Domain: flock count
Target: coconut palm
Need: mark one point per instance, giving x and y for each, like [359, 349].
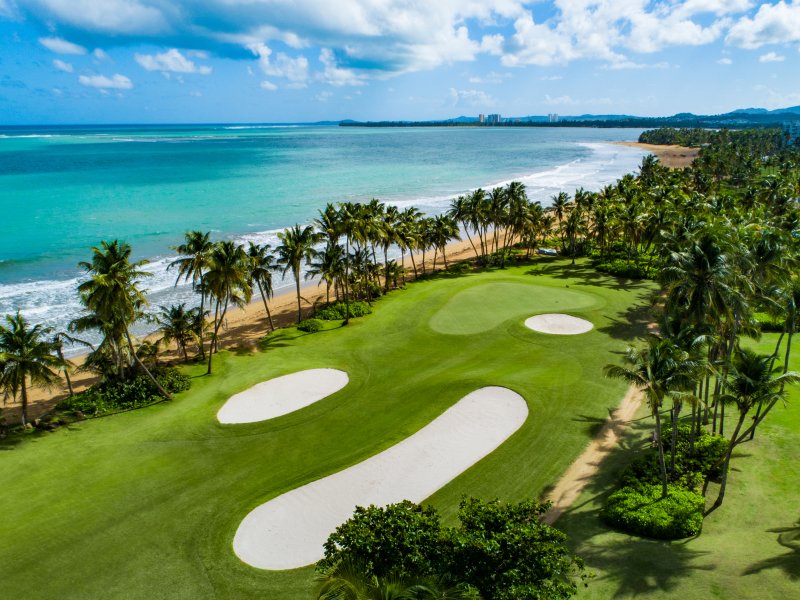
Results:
[660, 370]
[58, 347]
[227, 281]
[114, 301]
[407, 235]
[459, 211]
[297, 246]
[262, 263]
[443, 230]
[179, 325]
[329, 267]
[27, 357]
[194, 260]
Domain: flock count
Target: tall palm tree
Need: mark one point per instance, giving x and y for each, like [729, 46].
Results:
[26, 356]
[297, 246]
[459, 210]
[329, 267]
[194, 261]
[113, 299]
[660, 370]
[407, 232]
[443, 230]
[228, 282]
[262, 263]
[58, 347]
[751, 382]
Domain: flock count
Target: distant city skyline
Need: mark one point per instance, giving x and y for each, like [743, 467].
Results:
[171, 61]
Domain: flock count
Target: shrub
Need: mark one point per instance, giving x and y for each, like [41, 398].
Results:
[111, 396]
[641, 510]
[619, 267]
[767, 322]
[336, 311]
[310, 325]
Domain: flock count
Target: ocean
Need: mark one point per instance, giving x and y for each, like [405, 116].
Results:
[64, 189]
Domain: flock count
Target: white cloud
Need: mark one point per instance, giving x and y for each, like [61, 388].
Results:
[725, 61]
[111, 17]
[268, 85]
[570, 101]
[6, 9]
[771, 98]
[117, 82]
[294, 69]
[772, 24]
[492, 44]
[63, 66]
[323, 96]
[492, 78]
[196, 94]
[335, 75]
[551, 78]
[100, 54]
[61, 46]
[771, 57]
[471, 98]
[171, 61]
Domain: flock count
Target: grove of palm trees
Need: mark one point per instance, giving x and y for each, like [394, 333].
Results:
[689, 277]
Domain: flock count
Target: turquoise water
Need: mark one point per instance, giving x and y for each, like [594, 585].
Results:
[63, 190]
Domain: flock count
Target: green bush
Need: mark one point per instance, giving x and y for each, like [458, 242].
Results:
[641, 510]
[620, 267]
[310, 325]
[112, 396]
[337, 310]
[766, 322]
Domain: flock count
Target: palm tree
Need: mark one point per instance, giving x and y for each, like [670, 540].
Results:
[329, 267]
[660, 370]
[560, 207]
[459, 211]
[178, 325]
[195, 253]
[407, 232]
[262, 263]
[443, 230]
[297, 245]
[751, 382]
[227, 281]
[114, 301]
[26, 355]
[58, 346]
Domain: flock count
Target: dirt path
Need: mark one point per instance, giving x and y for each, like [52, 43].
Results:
[586, 465]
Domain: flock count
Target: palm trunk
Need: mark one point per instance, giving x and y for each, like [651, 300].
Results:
[147, 372]
[213, 337]
[661, 461]
[413, 263]
[66, 370]
[24, 402]
[297, 284]
[386, 263]
[724, 480]
[202, 316]
[403, 264]
[346, 280]
[444, 256]
[464, 225]
[266, 307]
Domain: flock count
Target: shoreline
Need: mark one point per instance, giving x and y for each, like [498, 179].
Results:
[671, 156]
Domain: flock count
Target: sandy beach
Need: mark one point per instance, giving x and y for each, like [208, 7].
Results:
[674, 157]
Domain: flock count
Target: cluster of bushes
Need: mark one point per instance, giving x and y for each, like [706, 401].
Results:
[767, 322]
[113, 396]
[637, 506]
[338, 310]
[498, 550]
[310, 325]
[621, 267]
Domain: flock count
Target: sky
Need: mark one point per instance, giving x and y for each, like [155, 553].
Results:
[268, 61]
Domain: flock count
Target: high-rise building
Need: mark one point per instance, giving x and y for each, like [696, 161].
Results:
[494, 119]
[481, 118]
[552, 117]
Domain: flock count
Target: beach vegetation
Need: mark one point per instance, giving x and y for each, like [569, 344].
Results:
[310, 325]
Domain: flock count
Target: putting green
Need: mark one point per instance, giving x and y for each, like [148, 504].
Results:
[484, 307]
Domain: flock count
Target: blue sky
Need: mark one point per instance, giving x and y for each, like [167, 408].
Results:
[174, 61]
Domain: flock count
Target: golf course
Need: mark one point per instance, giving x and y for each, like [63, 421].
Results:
[146, 504]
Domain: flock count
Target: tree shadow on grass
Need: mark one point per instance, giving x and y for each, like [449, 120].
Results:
[630, 324]
[788, 562]
[593, 424]
[587, 275]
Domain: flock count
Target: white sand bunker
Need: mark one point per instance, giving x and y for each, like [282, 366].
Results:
[288, 531]
[282, 395]
[558, 324]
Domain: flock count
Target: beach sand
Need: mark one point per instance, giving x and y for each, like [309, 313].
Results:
[674, 157]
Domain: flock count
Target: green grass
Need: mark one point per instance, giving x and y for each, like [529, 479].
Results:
[145, 504]
[749, 547]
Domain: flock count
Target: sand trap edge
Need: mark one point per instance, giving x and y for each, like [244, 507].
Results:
[288, 531]
[558, 324]
[281, 395]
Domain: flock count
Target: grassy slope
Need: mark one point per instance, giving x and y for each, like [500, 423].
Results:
[739, 553]
[145, 504]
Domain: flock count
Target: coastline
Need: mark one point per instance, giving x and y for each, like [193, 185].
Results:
[242, 329]
[671, 156]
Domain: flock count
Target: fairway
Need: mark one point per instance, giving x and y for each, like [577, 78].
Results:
[146, 504]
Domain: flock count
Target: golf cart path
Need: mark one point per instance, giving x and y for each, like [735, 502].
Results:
[580, 472]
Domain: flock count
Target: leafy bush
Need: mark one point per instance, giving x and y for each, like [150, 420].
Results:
[501, 550]
[310, 325]
[620, 267]
[641, 510]
[111, 396]
[767, 322]
[337, 311]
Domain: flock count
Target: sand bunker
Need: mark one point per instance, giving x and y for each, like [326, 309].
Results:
[282, 395]
[558, 324]
[288, 531]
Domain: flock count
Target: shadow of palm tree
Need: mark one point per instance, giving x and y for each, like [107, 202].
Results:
[630, 324]
[788, 562]
[557, 269]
